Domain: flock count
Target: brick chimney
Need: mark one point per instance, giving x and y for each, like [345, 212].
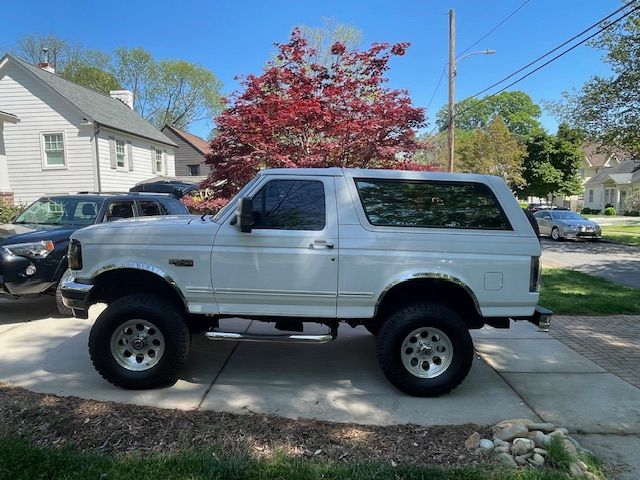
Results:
[125, 96]
[44, 64]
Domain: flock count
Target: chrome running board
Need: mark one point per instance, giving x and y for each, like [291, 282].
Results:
[282, 338]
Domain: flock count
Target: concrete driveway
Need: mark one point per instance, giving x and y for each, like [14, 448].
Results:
[618, 263]
[517, 373]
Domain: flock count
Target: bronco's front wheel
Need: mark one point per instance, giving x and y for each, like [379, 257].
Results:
[139, 341]
[425, 349]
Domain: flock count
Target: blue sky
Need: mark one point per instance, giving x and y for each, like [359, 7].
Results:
[236, 37]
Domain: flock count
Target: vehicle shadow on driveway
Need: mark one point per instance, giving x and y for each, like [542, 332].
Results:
[27, 309]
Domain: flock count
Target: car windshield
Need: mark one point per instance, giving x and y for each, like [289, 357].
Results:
[60, 211]
[567, 216]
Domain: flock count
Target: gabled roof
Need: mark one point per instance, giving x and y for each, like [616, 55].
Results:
[195, 141]
[600, 155]
[626, 172]
[102, 109]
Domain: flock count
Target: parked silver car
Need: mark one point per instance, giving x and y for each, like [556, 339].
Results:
[561, 224]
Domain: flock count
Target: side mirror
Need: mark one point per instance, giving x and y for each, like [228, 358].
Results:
[244, 214]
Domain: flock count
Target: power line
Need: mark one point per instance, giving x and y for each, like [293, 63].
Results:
[494, 28]
[435, 90]
[609, 25]
[553, 50]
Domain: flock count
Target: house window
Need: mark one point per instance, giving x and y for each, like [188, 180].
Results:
[194, 170]
[53, 149]
[159, 162]
[120, 153]
[590, 196]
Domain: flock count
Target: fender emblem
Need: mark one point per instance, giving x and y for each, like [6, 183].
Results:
[181, 262]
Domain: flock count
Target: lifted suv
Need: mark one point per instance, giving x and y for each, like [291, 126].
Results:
[418, 258]
[33, 248]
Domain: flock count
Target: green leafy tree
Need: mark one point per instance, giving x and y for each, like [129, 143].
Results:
[492, 150]
[517, 110]
[321, 39]
[552, 163]
[607, 109]
[90, 76]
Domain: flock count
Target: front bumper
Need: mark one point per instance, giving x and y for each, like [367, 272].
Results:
[586, 234]
[76, 296]
[16, 280]
[541, 318]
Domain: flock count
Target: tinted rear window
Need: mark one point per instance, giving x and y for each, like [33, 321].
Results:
[431, 204]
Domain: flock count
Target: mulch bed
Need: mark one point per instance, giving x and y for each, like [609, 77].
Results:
[112, 428]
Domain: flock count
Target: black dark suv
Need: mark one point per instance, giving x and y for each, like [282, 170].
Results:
[33, 248]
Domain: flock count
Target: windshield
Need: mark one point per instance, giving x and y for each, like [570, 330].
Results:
[60, 211]
[221, 213]
[567, 216]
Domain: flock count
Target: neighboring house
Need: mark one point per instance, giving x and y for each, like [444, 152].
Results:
[190, 156]
[612, 185]
[59, 137]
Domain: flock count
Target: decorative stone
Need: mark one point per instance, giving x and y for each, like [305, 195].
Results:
[569, 447]
[540, 451]
[537, 436]
[521, 446]
[500, 443]
[559, 432]
[505, 423]
[522, 459]
[538, 460]
[575, 471]
[544, 427]
[583, 465]
[486, 444]
[510, 431]
[591, 476]
[508, 460]
[473, 441]
[575, 442]
[502, 449]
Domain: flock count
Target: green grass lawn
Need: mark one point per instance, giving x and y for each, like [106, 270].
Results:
[569, 292]
[20, 460]
[629, 234]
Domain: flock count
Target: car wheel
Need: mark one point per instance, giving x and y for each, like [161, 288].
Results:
[424, 349]
[139, 341]
[62, 308]
[555, 234]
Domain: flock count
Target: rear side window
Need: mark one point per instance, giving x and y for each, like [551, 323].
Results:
[290, 205]
[149, 208]
[431, 204]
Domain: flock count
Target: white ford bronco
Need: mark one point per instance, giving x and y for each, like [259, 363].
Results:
[417, 258]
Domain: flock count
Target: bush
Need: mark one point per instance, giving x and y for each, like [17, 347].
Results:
[633, 202]
[631, 213]
[8, 211]
[610, 211]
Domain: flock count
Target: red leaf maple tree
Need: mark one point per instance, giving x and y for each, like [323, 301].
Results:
[303, 114]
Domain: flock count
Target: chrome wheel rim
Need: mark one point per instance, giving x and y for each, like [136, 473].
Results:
[137, 345]
[427, 352]
[555, 234]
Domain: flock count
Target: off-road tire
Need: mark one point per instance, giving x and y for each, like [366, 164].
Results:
[396, 329]
[62, 308]
[165, 316]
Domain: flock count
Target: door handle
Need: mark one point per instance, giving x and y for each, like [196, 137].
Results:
[320, 244]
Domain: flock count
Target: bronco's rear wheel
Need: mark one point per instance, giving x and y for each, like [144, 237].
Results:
[139, 341]
[425, 349]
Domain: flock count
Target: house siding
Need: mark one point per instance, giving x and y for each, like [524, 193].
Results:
[122, 179]
[186, 155]
[41, 109]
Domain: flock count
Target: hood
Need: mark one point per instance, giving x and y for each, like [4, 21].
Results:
[580, 223]
[24, 233]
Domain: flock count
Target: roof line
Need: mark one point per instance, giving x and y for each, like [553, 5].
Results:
[134, 134]
[177, 132]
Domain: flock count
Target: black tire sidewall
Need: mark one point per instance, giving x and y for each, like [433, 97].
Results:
[409, 318]
[165, 317]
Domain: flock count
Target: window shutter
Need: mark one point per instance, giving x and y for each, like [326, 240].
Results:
[164, 162]
[112, 152]
[153, 159]
[130, 155]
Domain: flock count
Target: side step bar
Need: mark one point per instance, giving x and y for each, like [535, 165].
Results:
[282, 338]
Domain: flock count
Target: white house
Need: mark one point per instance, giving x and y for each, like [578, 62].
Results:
[59, 137]
[612, 186]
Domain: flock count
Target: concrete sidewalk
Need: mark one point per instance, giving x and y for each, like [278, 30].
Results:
[519, 373]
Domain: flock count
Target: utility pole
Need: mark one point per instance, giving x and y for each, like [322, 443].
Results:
[452, 86]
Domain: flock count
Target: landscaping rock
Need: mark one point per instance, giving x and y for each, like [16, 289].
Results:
[569, 447]
[538, 460]
[510, 431]
[540, 451]
[505, 423]
[521, 446]
[591, 476]
[473, 441]
[575, 471]
[500, 443]
[522, 459]
[583, 465]
[538, 437]
[559, 432]
[575, 442]
[502, 449]
[486, 444]
[508, 460]
[544, 427]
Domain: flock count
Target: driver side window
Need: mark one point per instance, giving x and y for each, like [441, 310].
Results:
[290, 205]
